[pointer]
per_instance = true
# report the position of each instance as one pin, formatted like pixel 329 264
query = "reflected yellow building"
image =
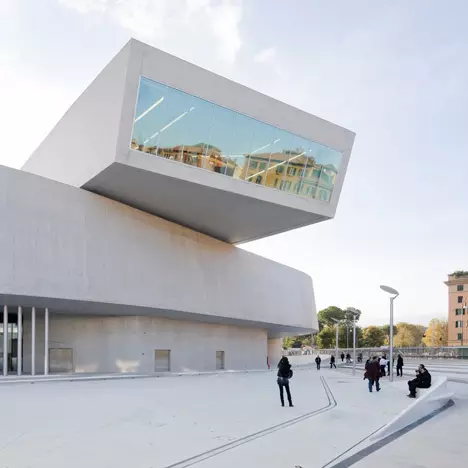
pixel 289 171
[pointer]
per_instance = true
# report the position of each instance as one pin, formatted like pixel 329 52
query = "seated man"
pixel 422 380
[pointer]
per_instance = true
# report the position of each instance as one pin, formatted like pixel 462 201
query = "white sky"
pixel 395 72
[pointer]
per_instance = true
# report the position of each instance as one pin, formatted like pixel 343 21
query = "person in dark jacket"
pixel 342 357
pixel 348 357
pixel 422 380
pixel 366 365
pixel 318 361
pixel 399 366
pixel 373 374
pixel 332 362
pixel 284 374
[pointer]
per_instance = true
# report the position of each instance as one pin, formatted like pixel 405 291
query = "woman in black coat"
pixel 284 374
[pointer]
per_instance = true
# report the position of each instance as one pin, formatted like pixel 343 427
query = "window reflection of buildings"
pixel 292 172
pixel 200 155
pixel 289 171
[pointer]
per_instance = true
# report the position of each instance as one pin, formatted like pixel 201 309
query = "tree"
pixel 325 316
pixel 350 313
pixel 386 331
pixel 326 338
pixel 373 337
pixel 440 328
pixel 408 335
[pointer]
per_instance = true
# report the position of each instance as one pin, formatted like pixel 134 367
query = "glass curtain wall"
pixel 178 126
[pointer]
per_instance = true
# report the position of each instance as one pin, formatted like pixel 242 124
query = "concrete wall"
pixel 127 344
pixel 84 141
pixel 58 241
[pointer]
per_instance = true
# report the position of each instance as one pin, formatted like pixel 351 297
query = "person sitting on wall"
pixel 422 380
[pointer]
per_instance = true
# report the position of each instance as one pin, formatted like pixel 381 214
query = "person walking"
pixel 399 366
pixel 373 374
pixel 318 361
pixel 285 373
pixel 383 364
pixel 342 357
pixel 422 380
pixel 332 362
pixel 348 358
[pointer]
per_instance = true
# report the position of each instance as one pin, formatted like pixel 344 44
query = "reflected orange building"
pixel 289 171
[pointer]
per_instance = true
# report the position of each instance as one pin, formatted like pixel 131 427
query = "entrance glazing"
pixel 12 343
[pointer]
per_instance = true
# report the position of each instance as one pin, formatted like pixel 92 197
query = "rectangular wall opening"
pixel 162 360
pixel 219 360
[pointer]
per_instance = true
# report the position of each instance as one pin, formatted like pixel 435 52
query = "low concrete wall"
pixel 427 401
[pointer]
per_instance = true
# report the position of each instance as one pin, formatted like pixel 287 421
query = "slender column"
pixel 5 340
pixel 46 342
pixel 391 338
pixel 33 341
pixel 20 341
pixel 336 342
pixel 354 344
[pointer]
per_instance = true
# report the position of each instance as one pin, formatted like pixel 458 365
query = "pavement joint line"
pixel 352 447
pixel 101 377
pixel 332 403
pixel 374 447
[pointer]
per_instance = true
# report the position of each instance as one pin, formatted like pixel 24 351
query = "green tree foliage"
pixel 459 273
pixel 373 337
pixel 440 328
pixel 326 338
pixel 386 331
pixel 325 316
pixel 408 335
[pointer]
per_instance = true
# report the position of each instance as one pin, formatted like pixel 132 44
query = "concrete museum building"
pixel 118 236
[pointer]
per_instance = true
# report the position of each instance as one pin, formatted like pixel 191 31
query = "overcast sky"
pixel 396 73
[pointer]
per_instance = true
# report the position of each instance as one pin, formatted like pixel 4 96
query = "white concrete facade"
pixel 229 209
pixel 120 283
pixel 128 252
pixel 127 344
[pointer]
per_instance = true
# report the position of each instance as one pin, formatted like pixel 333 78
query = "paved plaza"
pixel 221 420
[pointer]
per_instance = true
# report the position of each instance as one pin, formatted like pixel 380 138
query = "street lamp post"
pixel 395 294
pixel 336 338
pixel 354 312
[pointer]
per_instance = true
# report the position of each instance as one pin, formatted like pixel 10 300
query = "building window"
pixel 460 299
pixel 460 311
pixel 459 336
pixel 219 360
pixel 457 311
pixel 285 185
pixel 162 360
pixel 172 124
pixel 459 287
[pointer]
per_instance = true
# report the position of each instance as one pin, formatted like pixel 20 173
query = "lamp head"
pixel 389 290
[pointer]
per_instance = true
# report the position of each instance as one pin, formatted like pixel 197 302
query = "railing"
pixel 426 352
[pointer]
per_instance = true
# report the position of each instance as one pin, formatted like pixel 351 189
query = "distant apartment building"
pixel 458 308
